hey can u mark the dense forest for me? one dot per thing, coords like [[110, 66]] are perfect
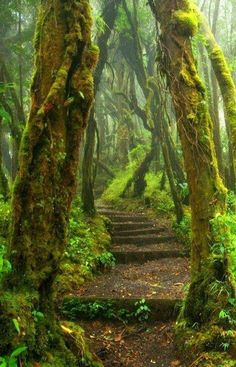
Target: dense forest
[[117, 183]]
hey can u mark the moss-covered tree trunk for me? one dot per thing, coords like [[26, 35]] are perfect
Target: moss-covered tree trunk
[[62, 94], [173, 189], [109, 15], [178, 22], [227, 87]]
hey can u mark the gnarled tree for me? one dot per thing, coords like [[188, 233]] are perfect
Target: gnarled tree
[[62, 94], [209, 267]]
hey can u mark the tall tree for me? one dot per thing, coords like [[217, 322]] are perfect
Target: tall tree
[[62, 94], [179, 22], [227, 87], [109, 15]]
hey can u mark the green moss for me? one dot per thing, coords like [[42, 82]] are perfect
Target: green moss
[[74, 335], [218, 58], [192, 80], [186, 21], [92, 54], [206, 326], [89, 240]]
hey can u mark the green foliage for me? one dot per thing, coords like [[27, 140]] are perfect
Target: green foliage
[[87, 251], [38, 315], [213, 337], [12, 360], [106, 260], [5, 266], [4, 114], [231, 202], [159, 200], [224, 228], [88, 239], [4, 220], [143, 311], [74, 309], [183, 230], [183, 190], [115, 190]]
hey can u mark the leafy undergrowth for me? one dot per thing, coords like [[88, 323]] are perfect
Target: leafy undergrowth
[[87, 252], [183, 230], [73, 309], [211, 339]]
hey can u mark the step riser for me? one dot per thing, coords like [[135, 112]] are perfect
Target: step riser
[[138, 232], [141, 241], [161, 309], [113, 213], [143, 257], [130, 219], [131, 226]]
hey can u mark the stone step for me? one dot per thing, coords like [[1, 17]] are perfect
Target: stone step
[[159, 279], [139, 231], [112, 212], [142, 240], [123, 257], [101, 208], [128, 218], [117, 226], [75, 308]]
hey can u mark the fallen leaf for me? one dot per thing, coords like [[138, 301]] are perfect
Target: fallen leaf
[[118, 338], [175, 363]]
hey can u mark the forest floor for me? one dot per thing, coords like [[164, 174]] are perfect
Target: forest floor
[[152, 267], [133, 345]]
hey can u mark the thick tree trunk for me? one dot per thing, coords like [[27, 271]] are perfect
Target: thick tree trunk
[[213, 100], [62, 94], [178, 22]]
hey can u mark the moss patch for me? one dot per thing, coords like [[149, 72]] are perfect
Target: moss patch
[[187, 21]]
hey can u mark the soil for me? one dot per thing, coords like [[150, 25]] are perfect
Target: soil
[[136, 345], [162, 279], [150, 247]]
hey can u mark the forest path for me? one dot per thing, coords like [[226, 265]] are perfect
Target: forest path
[[151, 266]]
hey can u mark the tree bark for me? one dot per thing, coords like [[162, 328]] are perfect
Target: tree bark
[[109, 15], [61, 98], [226, 83], [207, 193]]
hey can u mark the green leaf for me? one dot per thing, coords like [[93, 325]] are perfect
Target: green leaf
[[1, 266], [12, 362], [81, 94], [16, 324], [3, 362], [18, 351], [4, 114], [38, 314]]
